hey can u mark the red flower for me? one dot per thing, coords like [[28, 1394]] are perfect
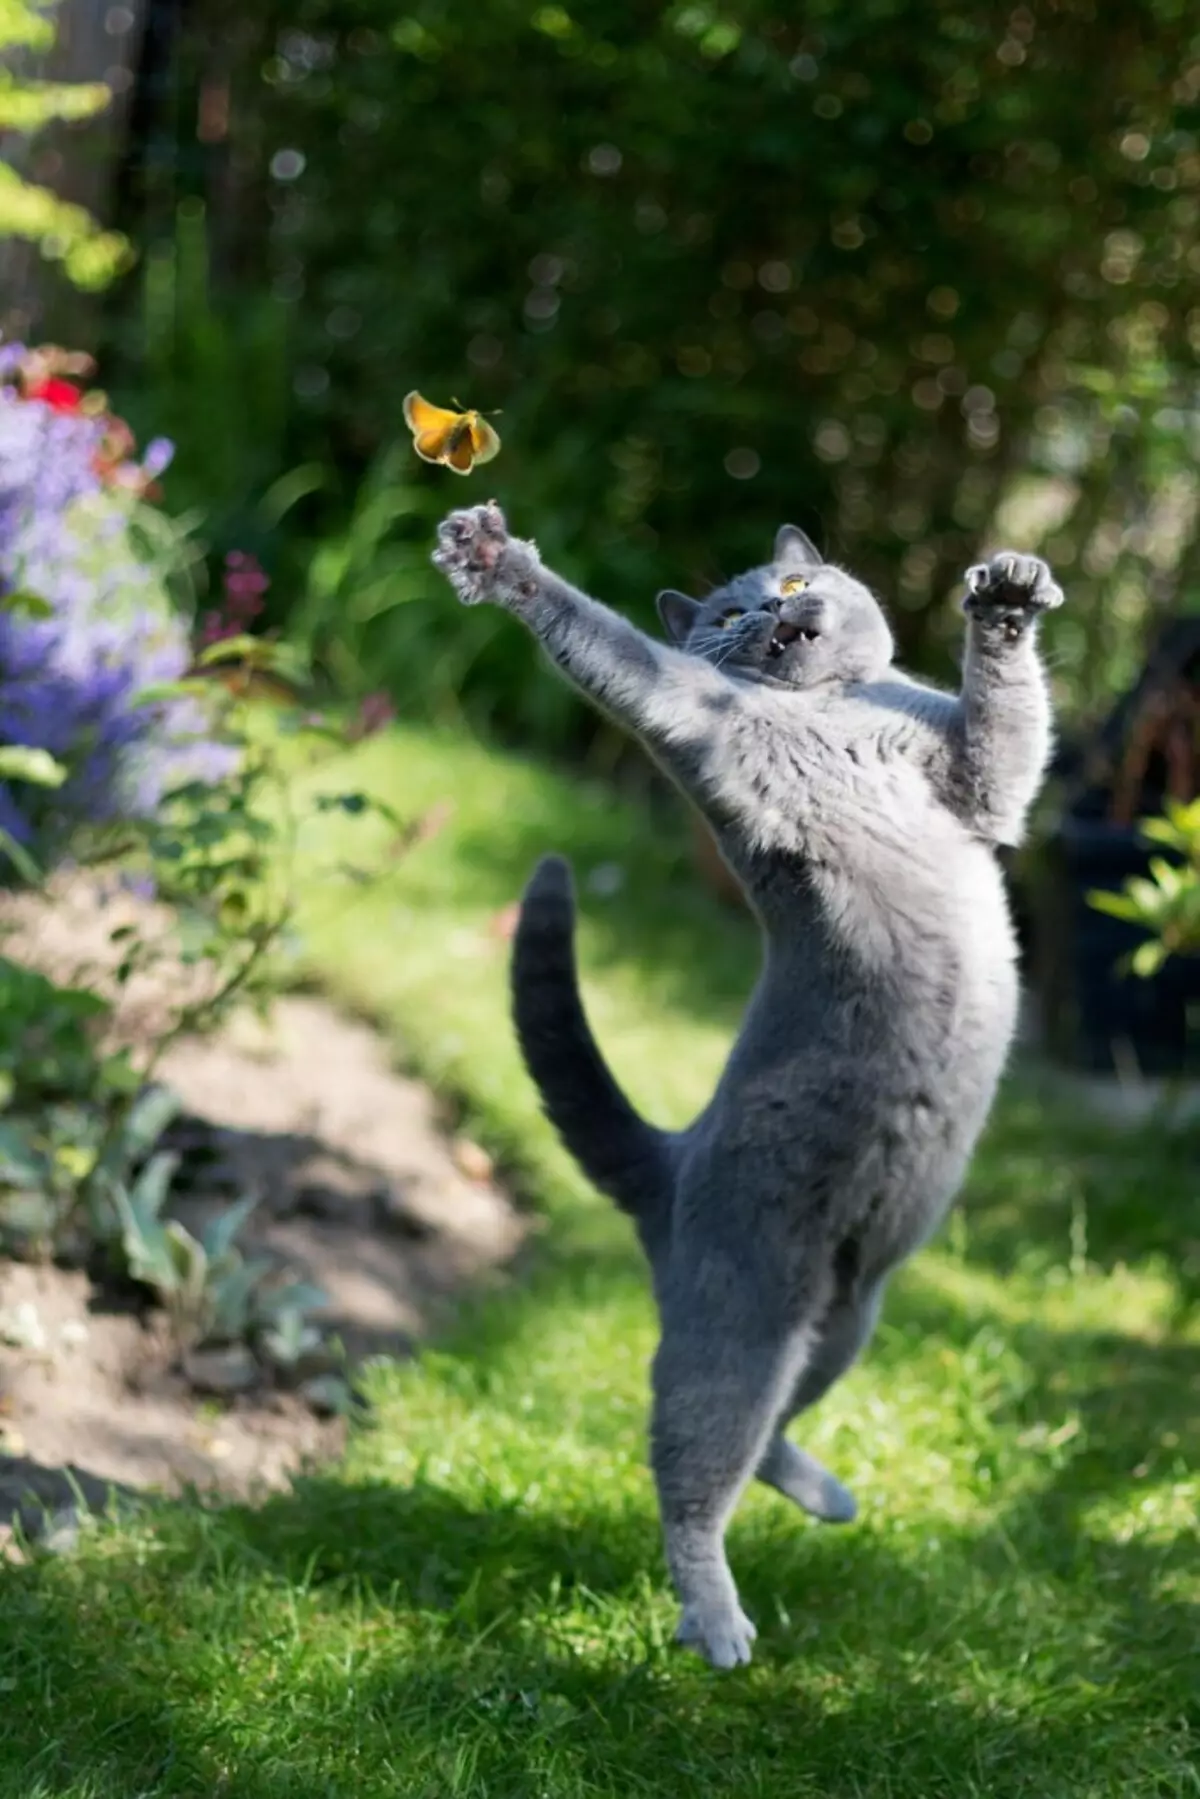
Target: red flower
[[60, 396]]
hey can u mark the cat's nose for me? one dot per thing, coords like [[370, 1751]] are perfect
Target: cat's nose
[[803, 613]]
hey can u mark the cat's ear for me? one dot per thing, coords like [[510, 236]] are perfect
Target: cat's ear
[[677, 613], [794, 549]]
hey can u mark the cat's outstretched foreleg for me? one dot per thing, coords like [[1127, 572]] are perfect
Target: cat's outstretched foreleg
[[654, 689], [1000, 736]]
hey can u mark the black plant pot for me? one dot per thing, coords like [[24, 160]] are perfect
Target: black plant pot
[[1095, 1015]]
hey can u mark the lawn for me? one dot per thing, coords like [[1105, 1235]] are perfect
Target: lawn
[[475, 1603]]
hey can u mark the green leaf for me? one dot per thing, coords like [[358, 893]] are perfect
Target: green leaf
[[1168, 877], [189, 1261], [30, 1215], [147, 1250], [1161, 830], [1145, 896], [1148, 958], [20, 858], [76, 1161], [150, 1114], [20, 762], [219, 1234], [351, 803], [162, 691], [284, 493], [151, 1187], [26, 604], [231, 1297], [1117, 905], [295, 1296], [20, 1164], [254, 651], [290, 1338]]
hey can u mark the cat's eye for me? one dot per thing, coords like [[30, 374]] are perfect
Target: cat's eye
[[793, 584], [727, 618]]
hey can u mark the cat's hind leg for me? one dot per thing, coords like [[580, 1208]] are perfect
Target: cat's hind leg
[[791, 1470], [804, 1480], [715, 1406]]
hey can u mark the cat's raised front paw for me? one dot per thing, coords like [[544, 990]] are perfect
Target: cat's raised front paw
[[471, 550], [1010, 591]]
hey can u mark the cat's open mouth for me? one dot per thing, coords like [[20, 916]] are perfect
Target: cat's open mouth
[[784, 635]]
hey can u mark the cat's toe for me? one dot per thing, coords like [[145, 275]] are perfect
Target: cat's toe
[[1014, 581], [723, 1635], [470, 543]]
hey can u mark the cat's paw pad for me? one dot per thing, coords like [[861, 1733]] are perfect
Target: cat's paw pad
[[1011, 590], [471, 543], [722, 1634]]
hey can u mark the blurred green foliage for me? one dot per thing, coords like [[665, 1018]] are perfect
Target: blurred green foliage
[[905, 273], [62, 232], [1166, 904]]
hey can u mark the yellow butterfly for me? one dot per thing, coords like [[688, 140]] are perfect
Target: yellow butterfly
[[458, 440]]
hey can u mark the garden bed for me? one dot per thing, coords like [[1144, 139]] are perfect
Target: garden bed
[[361, 1191]]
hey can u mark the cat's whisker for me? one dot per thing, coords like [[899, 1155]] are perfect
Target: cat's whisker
[[724, 650]]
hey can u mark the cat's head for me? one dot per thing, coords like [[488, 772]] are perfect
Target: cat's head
[[798, 621]]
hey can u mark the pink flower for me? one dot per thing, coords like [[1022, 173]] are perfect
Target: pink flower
[[243, 586], [375, 712]]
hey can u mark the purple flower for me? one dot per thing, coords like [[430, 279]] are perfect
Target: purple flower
[[157, 455], [70, 682], [140, 886]]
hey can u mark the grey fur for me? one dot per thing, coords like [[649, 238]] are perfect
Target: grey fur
[[860, 810]]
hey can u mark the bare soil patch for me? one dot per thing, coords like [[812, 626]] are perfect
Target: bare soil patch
[[361, 1190]]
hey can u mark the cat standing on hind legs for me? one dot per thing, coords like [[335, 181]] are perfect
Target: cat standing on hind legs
[[860, 811]]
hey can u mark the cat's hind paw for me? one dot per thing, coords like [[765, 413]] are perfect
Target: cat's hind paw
[[801, 1478], [1010, 591], [471, 545]]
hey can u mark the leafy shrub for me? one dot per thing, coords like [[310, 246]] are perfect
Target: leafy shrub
[[61, 232], [719, 266], [47, 1047], [1167, 904], [123, 739], [87, 621], [81, 1170]]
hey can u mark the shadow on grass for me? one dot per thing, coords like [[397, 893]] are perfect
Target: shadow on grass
[[906, 1674], [355, 1637]]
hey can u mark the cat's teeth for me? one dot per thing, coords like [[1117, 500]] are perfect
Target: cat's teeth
[[784, 635]]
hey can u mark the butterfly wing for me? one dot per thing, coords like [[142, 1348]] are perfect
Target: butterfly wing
[[460, 451], [432, 427], [485, 442], [434, 446]]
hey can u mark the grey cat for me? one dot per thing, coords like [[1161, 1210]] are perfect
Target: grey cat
[[860, 811]]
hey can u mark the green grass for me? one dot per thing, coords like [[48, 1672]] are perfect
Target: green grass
[[475, 1604]]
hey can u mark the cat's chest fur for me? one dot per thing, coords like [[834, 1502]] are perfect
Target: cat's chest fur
[[832, 801], [826, 777]]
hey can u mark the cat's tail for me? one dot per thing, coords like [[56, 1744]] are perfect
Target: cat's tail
[[627, 1158]]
